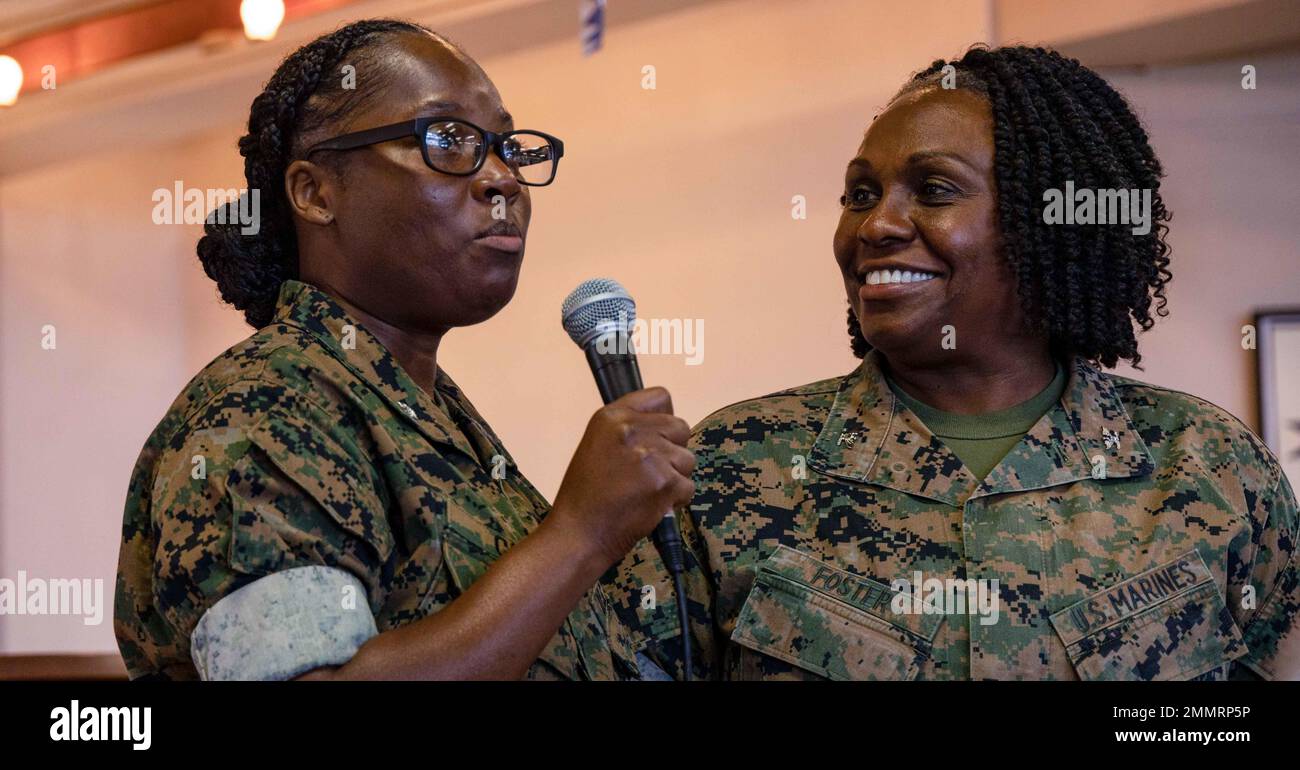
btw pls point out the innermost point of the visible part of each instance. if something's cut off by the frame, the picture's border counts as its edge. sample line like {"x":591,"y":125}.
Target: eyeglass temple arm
{"x":370,"y":136}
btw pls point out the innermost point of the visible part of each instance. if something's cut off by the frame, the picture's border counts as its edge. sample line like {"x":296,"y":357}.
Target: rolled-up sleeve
{"x":283,"y":625}
{"x":269,"y":562}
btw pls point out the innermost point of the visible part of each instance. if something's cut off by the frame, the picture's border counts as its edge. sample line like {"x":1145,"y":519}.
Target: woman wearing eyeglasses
{"x":322,"y":501}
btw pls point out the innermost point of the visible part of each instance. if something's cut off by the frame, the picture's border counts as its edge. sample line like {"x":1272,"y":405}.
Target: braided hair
{"x":1054,"y":120}
{"x":305,"y":94}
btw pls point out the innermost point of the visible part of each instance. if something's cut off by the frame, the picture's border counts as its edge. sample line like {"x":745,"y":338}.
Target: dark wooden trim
{"x":62,"y":667}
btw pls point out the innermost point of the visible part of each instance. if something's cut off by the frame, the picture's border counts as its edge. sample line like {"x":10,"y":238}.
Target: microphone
{"x":598,"y":316}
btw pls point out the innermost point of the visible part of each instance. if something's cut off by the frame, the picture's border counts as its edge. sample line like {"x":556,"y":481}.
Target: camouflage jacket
{"x":307,"y":445}
{"x":1134,"y":533}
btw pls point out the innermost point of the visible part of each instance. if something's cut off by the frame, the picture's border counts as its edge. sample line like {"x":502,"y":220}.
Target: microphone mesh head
{"x":598,"y":306}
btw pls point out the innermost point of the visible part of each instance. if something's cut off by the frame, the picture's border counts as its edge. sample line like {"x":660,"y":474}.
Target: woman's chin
{"x":489,"y":300}
{"x":899,"y":338}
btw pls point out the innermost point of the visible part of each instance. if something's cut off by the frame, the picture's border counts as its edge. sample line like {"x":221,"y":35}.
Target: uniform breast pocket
{"x":474,"y":536}
{"x":1168,"y":623}
{"x":804,"y":619}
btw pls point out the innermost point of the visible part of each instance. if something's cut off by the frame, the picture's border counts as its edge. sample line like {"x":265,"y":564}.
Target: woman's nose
{"x":889,"y":221}
{"x":495,"y":179}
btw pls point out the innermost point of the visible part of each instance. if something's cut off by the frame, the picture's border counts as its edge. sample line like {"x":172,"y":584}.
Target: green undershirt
{"x":980,"y":441}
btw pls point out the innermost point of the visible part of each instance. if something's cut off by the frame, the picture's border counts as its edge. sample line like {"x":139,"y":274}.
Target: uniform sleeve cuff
{"x":283,"y":625}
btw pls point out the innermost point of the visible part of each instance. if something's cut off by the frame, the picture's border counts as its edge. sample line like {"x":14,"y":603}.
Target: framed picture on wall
{"x":1278,"y":358}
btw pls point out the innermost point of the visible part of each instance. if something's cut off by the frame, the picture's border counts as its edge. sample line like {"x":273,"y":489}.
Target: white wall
{"x":682,"y":193}
{"x":79,"y":251}
{"x":1231,"y":163}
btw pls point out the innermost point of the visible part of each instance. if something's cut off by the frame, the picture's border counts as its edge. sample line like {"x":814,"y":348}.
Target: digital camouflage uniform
{"x":319,"y":450}
{"x":1179,"y":563}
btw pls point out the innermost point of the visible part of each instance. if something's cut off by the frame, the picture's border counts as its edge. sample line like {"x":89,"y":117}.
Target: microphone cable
{"x":673,"y":553}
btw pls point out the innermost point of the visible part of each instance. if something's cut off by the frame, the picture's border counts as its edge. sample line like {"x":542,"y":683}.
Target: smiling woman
{"x":322,"y":501}
{"x":1126,"y":531}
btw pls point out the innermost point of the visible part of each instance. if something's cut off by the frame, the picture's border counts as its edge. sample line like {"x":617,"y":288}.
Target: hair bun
{"x":247,"y":268}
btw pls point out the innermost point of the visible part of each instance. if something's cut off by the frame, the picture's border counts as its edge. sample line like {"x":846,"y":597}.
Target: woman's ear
{"x":310,"y":189}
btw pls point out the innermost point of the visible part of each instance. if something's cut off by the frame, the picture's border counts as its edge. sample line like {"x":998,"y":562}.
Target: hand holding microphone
{"x":632,"y":459}
{"x":630,"y":467}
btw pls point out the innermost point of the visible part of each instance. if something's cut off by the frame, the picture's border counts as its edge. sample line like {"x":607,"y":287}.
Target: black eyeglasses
{"x":458,"y":147}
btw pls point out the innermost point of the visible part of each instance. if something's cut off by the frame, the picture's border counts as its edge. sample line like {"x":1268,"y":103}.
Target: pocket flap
{"x":1169,"y":622}
{"x":283,"y":516}
{"x":831,"y":621}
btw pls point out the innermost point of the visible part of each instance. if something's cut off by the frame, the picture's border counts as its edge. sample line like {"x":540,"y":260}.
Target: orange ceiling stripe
{"x":92,"y":44}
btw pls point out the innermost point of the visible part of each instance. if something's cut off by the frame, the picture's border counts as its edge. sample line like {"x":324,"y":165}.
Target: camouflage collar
{"x":870,"y":436}
{"x":312,"y":310}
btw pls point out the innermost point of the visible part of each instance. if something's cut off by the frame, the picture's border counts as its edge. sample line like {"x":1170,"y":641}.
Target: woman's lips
{"x":889,"y":284}
{"x":507,"y":243}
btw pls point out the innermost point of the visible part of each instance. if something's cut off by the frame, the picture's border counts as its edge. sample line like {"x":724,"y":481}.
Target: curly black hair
{"x":307,"y":93}
{"x":1085,"y":286}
